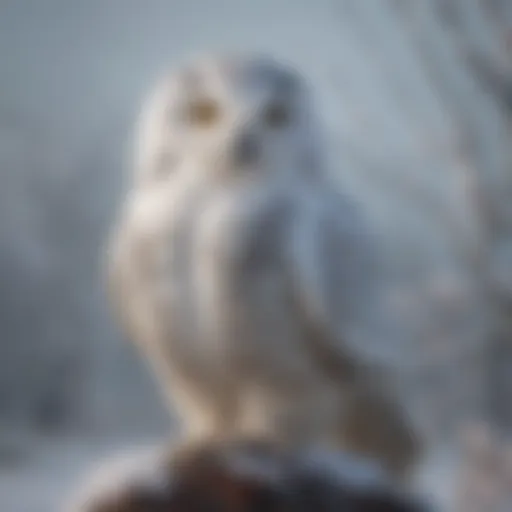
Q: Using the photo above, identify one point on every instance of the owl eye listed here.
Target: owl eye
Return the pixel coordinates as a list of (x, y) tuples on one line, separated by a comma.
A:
[(277, 115), (204, 113)]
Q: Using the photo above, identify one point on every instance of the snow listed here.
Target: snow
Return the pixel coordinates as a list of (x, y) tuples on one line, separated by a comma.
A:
[(47, 478)]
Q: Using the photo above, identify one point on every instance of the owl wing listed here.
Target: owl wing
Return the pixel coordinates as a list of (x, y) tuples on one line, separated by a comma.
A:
[(127, 283), (334, 279)]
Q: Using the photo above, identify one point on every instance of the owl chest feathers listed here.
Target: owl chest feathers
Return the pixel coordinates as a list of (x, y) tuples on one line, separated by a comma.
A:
[(218, 279)]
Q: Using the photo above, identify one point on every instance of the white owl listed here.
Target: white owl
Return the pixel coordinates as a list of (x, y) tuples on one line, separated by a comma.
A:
[(239, 267)]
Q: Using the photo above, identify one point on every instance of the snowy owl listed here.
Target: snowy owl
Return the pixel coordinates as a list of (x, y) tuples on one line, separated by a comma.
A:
[(239, 266)]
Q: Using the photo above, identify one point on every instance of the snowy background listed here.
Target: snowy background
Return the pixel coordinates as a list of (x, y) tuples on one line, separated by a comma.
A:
[(417, 96)]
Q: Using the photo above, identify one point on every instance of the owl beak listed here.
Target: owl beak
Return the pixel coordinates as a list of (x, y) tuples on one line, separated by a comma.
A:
[(246, 150)]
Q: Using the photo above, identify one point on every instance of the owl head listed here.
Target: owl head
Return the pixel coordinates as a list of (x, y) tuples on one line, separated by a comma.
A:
[(228, 116)]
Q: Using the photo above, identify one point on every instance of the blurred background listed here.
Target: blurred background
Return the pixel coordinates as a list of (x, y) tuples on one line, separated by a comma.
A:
[(417, 99)]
